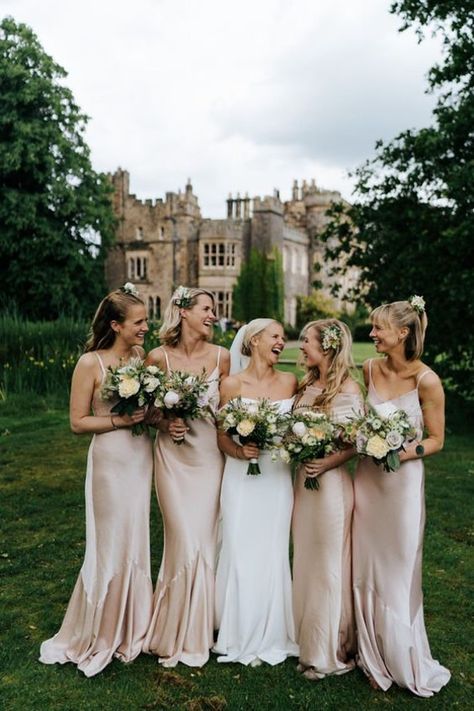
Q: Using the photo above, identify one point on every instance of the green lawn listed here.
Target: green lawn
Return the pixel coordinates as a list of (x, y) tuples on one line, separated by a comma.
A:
[(361, 351), (42, 514)]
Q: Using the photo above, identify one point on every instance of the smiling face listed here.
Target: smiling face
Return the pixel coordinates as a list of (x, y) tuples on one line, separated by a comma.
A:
[(269, 343), (200, 318), (387, 337), (133, 329), (311, 349)]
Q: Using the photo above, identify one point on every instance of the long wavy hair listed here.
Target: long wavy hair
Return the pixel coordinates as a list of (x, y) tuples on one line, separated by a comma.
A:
[(402, 314), (113, 308), (170, 331), (340, 364)]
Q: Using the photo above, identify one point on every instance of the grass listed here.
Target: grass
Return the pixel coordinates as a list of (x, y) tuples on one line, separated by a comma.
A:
[(360, 351), (42, 513)]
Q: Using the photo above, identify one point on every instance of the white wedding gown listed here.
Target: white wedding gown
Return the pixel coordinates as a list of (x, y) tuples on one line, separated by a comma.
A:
[(254, 613)]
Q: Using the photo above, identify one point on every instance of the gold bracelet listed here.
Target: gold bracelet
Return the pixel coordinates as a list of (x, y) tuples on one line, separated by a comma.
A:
[(114, 426)]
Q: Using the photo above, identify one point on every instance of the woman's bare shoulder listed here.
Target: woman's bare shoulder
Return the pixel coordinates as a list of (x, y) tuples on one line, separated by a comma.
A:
[(351, 387), (156, 357), (231, 384), (87, 361), (289, 380)]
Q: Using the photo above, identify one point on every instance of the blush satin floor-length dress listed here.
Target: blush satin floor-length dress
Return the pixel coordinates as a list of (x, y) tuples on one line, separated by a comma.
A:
[(110, 608), (322, 560), (188, 482), (389, 519)]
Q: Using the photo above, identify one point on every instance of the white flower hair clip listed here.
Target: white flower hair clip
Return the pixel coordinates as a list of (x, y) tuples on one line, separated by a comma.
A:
[(417, 303), (129, 288), (182, 297), (331, 337)]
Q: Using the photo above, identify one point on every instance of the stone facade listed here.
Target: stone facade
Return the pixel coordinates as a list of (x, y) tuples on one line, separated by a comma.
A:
[(162, 243)]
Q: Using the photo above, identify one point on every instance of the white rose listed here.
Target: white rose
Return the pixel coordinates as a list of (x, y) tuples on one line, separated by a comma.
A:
[(171, 398), (152, 369), (299, 429), (394, 439), (277, 439), (377, 447), (151, 384), (245, 427), (128, 387)]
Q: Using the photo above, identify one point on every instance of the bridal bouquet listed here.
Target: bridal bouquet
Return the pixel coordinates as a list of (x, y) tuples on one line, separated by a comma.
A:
[(311, 435), (380, 436), (257, 421), (134, 384), (183, 395)]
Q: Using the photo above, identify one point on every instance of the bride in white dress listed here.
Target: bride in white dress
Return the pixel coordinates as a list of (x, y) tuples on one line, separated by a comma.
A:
[(253, 585)]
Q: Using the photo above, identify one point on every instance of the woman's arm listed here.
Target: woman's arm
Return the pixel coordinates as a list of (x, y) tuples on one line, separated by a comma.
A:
[(316, 467), (224, 363), (431, 396), (84, 382)]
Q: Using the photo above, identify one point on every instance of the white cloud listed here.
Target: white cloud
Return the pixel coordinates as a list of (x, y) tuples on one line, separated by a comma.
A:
[(239, 96)]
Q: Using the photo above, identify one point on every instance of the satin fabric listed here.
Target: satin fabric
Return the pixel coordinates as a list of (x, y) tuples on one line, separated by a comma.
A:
[(322, 574), (110, 608), (389, 519), (253, 584), (188, 481)]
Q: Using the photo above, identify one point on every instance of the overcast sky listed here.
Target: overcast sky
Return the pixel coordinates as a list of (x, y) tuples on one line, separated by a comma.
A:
[(240, 96)]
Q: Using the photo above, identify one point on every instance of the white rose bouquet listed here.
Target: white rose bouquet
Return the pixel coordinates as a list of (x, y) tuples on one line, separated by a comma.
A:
[(311, 435), (381, 437), (257, 421), (134, 385), (183, 395)]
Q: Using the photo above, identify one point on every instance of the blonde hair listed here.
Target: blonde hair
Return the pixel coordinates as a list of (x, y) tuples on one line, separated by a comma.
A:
[(340, 364), (113, 308), (253, 328), (401, 314), (170, 331)]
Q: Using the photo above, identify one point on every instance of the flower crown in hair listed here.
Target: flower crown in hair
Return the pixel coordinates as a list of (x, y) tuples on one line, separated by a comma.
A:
[(417, 303), (129, 288), (331, 337), (182, 297)]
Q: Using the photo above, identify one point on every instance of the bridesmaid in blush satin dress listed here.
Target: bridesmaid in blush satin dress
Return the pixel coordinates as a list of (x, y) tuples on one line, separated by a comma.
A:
[(110, 608), (389, 513), (188, 482), (322, 575)]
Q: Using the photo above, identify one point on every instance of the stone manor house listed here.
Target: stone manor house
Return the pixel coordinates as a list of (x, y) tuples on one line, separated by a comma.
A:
[(163, 243)]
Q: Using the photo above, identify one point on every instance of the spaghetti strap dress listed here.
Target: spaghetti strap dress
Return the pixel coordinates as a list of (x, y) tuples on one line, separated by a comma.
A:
[(389, 519), (322, 558), (188, 483), (110, 608)]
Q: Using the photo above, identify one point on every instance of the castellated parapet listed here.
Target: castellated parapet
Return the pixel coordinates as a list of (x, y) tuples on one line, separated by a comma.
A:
[(162, 243)]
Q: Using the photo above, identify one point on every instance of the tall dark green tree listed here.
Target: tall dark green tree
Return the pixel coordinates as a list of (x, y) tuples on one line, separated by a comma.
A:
[(56, 218), (411, 228), (259, 288)]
